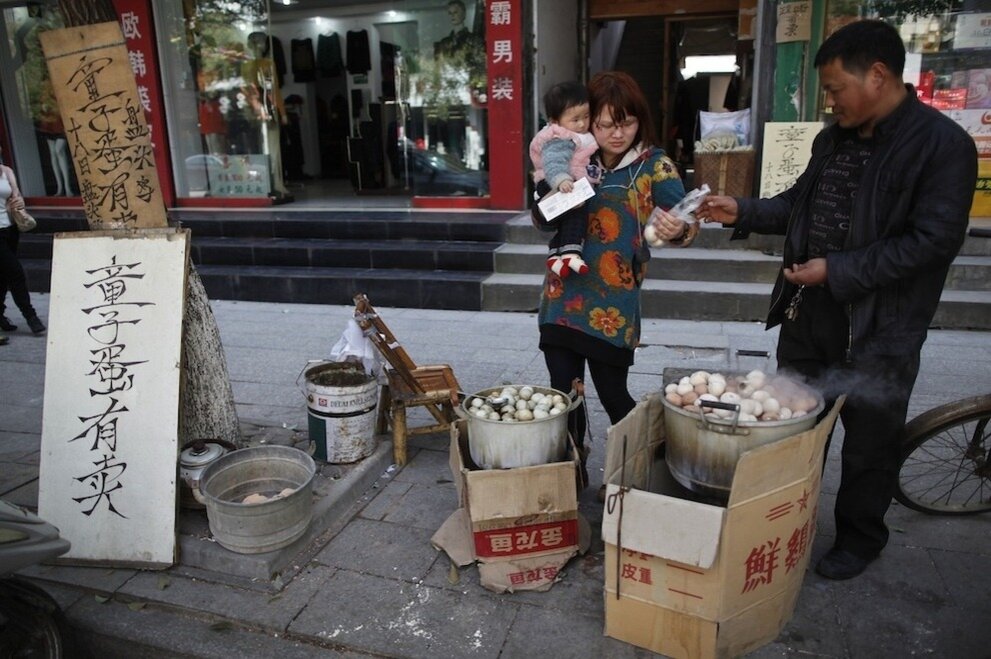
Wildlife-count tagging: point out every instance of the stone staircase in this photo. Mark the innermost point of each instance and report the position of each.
(473, 260)
(717, 279)
(418, 259)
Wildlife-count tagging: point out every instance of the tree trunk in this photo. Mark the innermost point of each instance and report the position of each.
(207, 407)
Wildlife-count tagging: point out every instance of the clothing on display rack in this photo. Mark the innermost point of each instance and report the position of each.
(359, 52)
(330, 63)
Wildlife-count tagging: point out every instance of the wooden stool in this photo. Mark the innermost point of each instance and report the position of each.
(432, 387)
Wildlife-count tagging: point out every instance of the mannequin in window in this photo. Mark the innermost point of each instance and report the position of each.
(460, 38)
(49, 125)
(262, 90)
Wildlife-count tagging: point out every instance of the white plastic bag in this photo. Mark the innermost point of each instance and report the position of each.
(684, 210)
(355, 346)
(735, 123)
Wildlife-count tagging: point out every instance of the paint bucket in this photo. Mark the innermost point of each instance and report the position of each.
(341, 400)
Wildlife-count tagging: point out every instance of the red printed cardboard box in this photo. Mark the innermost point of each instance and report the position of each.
(520, 525)
(689, 579)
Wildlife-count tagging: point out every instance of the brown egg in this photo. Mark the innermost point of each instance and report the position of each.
(690, 397)
(674, 399)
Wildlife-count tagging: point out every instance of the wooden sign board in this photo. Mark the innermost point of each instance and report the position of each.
(787, 149)
(794, 21)
(105, 126)
(109, 437)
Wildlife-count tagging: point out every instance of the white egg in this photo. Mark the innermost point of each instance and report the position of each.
(670, 389)
(717, 387)
(557, 399)
(723, 414)
(477, 402)
(560, 407)
(760, 395)
(699, 377)
(785, 413)
(730, 397)
(511, 391)
(772, 406)
(748, 406)
(685, 380)
(508, 409)
(524, 415)
(540, 413)
(683, 389)
(554, 411)
(521, 404)
(480, 413)
(749, 418)
(757, 378)
(494, 416)
(525, 393)
(508, 417)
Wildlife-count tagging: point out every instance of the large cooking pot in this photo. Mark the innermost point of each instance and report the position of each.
(702, 452)
(507, 444)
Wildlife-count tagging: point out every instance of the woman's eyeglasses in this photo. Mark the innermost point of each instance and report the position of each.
(608, 127)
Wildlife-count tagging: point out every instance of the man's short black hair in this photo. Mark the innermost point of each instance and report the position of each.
(562, 96)
(858, 45)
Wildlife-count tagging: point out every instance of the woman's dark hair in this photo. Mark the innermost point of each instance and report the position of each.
(621, 93)
(562, 96)
(858, 45)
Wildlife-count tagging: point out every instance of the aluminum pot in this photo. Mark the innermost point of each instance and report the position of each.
(507, 444)
(702, 452)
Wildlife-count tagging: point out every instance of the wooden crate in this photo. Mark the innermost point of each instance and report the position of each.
(726, 172)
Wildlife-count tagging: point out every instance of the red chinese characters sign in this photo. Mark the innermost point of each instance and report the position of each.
(504, 54)
(139, 39)
(523, 540)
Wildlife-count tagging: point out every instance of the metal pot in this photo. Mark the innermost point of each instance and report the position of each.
(702, 452)
(196, 456)
(507, 444)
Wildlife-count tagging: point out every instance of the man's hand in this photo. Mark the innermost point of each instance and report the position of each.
(566, 186)
(718, 208)
(810, 273)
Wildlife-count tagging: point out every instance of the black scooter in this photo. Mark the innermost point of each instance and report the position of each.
(31, 622)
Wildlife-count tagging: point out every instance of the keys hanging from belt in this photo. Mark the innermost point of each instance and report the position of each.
(791, 313)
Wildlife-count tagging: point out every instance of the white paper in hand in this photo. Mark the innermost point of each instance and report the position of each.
(558, 202)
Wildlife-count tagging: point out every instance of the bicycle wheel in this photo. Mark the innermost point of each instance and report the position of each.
(945, 468)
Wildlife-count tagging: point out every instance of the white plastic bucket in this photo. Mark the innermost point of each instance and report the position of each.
(341, 401)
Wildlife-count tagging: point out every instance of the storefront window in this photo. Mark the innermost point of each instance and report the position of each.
(268, 100)
(37, 136)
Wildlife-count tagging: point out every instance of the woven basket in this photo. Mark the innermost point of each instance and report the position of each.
(726, 172)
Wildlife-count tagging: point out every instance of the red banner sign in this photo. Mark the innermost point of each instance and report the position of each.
(504, 54)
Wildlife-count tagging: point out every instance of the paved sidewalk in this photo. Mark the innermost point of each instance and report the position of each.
(367, 581)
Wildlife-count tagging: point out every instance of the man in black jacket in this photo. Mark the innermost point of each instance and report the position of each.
(871, 228)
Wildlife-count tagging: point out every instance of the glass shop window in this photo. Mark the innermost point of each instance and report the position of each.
(37, 136)
(270, 98)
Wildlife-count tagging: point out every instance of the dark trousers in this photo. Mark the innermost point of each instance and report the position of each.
(571, 227)
(12, 273)
(878, 388)
(565, 365)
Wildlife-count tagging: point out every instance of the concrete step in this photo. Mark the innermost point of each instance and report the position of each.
(519, 230)
(737, 265)
(416, 289)
(700, 264)
(727, 301)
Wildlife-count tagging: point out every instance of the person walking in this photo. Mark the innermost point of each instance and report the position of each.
(594, 319)
(871, 227)
(12, 276)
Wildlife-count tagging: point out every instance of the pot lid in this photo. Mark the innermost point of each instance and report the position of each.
(201, 454)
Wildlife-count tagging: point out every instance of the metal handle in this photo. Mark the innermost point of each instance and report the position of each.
(719, 405)
(303, 370)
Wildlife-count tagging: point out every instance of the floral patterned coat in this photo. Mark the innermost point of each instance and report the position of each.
(598, 314)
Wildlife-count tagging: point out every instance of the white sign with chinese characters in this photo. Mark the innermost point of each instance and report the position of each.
(109, 437)
(787, 149)
(557, 203)
(972, 31)
(794, 21)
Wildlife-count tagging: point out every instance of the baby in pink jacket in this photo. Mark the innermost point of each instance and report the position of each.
(561, 154)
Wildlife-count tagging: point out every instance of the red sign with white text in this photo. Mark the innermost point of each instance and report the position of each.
(139, 37)
(504, 54)
(523, 540)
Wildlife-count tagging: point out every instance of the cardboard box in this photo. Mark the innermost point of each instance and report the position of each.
(520, 525)
(691, 579)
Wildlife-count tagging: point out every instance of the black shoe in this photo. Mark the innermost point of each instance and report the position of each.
(840, 564)
(4, 340)
(6, 325)
(37, 327)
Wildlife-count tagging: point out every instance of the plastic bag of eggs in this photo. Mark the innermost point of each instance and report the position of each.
(761, 397)
(514, 404)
